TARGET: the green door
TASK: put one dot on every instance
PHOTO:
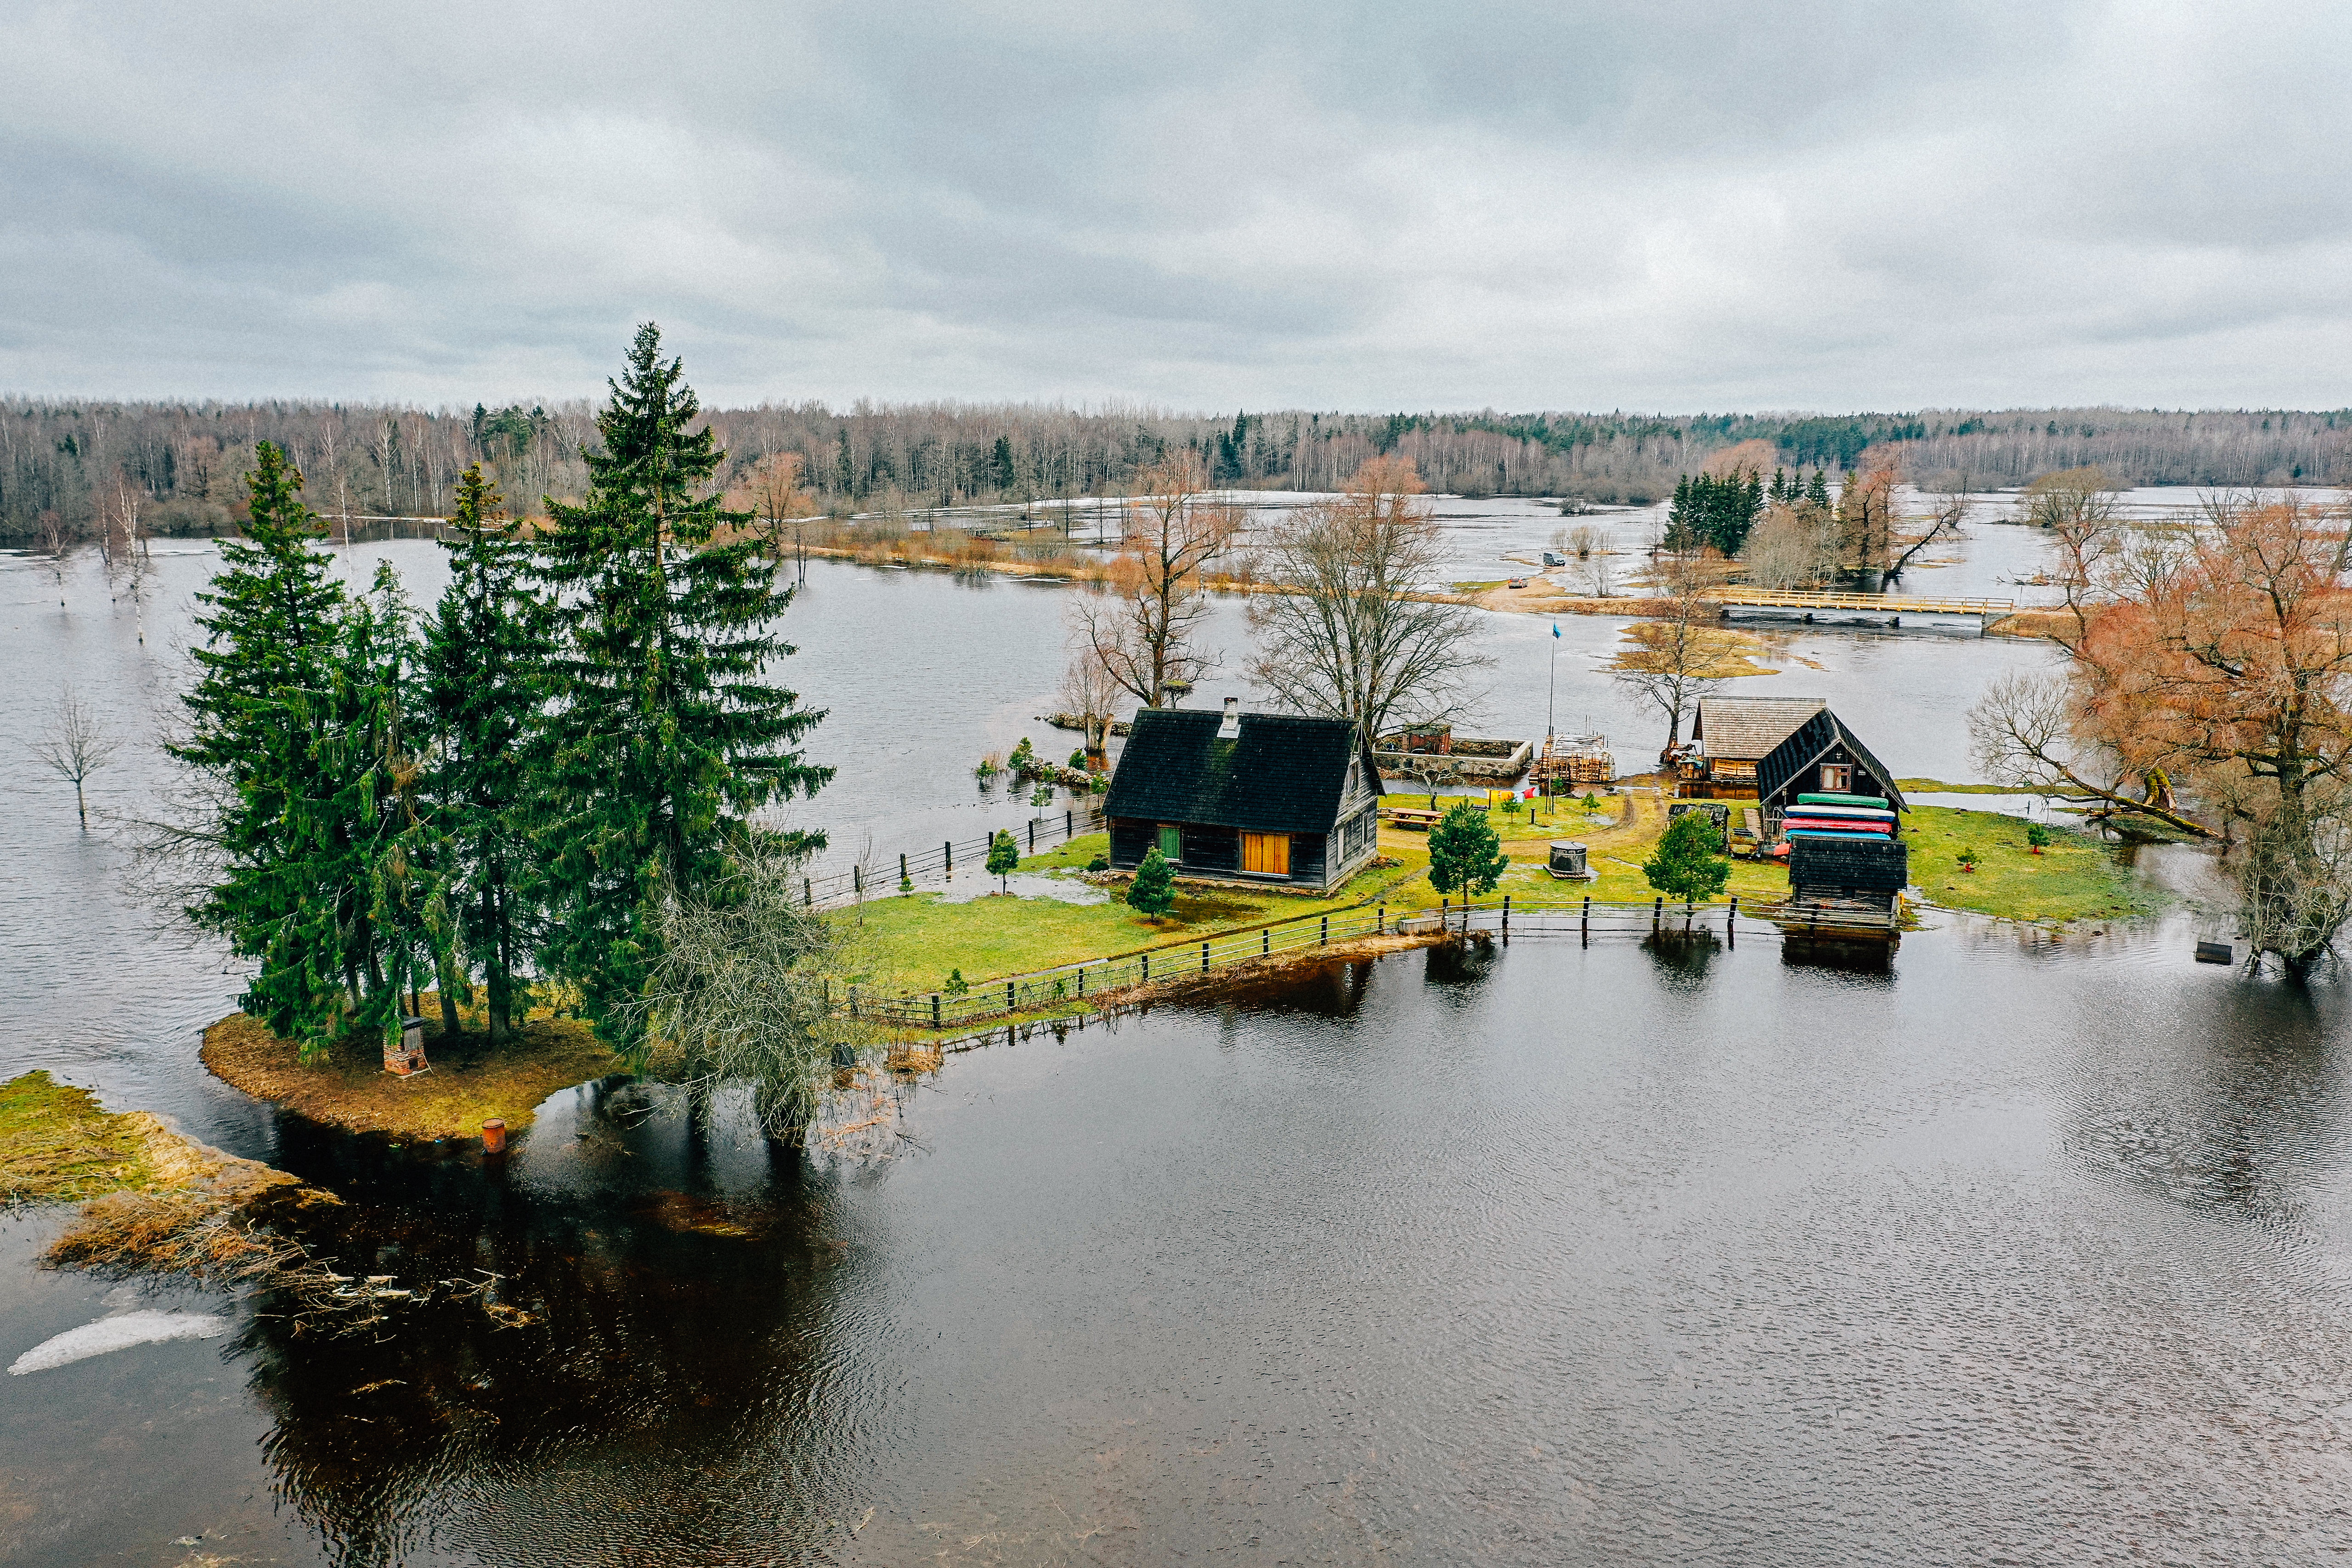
(1171, 844)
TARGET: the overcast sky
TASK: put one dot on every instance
(1551, 205)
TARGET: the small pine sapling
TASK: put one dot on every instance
(2036, 836)
(1004, 855)
(1042, 795)
(1967, 857)
(1153, 891)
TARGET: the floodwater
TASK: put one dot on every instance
(2019, 1250)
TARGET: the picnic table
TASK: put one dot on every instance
(1412, 817)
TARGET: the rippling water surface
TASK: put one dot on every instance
(2019, 1250)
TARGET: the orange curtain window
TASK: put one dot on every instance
(1268, 853)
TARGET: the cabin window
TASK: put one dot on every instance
(1266, 853)
(1172, 842)
(1837, 778)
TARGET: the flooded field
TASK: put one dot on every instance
(2021, 1250)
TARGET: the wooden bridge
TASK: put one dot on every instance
(1892, 607)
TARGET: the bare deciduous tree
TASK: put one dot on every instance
(53, 545)
(75, 746)
(1089, 695)
(1353, 632)
(1140, 628)
(771, 491)
(1795, 546)
(1951, 511)
(1671, 662)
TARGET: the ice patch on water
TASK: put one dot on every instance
(1026, 885)
(117, 1335)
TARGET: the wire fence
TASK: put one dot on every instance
(1105, 982)
(886, 876)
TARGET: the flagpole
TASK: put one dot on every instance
(1551, 692)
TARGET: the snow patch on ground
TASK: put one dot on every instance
(119, 1334)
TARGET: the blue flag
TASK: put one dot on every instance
(1555, 628)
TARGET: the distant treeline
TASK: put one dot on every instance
(182, 467)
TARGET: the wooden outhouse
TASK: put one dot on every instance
(1255, 798)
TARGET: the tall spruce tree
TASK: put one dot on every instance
(271, 618)
(660, 734)
(320, 868)
(484, 655)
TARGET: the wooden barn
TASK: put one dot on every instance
(1255, 798)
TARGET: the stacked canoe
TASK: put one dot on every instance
(1847, 817)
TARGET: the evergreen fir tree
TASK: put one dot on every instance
(1465, 853)
(1817, 493)
(1003, 857)
(661, 735)
(1153, 891)
(1689, 863)
(271, 617)
(484, 658)
(1683, 528)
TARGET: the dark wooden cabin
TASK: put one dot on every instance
(1823, 756)
(1255, 798)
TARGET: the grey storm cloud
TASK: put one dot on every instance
(1656, 205)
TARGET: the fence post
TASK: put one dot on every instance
(1082, 979)
(1383, 927)
(1507, 917)
(935, 1009)
(948, 850)
(808, 892)
(1204, 958)
(1265, 941)
(902, 868)
(1146, 968)
(1032, 835)
(857, 880)
(1069, 826)
(1326, 930)
(1657, 914)
(1585, 931)
(1010, 1004)
(1731, 924)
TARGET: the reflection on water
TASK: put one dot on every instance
(2001, 1244)
(1667, 1251)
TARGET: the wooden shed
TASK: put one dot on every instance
(1258, 797)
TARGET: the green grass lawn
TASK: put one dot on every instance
(2077, 877)
(914, 942)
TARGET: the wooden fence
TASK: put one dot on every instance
(1078, 987)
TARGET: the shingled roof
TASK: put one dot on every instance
(1808, 744)
(1746, 728)
(1284, 774)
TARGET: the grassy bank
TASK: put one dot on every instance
(59, 1144)
(2076, 877)
(917, 943)
(469, 1083)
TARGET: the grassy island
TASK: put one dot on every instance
(469, 1084)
